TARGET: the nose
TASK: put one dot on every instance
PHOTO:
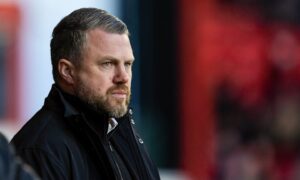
(122, 75)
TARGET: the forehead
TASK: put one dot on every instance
(101, 43)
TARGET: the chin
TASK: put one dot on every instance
(118, 108)
(117, 113)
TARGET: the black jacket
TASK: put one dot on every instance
(67, 140)
(11, 167)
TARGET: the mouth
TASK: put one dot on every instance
(120, 94)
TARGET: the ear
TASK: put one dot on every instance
(66, 70)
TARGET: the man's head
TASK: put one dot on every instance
(92, 59)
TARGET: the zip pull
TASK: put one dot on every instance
(113, 157)
(110, 147)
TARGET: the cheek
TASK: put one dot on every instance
(99, 81)
(101, 84)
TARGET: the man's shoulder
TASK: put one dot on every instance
(44, 128)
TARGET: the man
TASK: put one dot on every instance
(11, 167)
(85, 129)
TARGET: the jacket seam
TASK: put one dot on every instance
(44, 152)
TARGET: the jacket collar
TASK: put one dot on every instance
(72, 107)
(56, 100)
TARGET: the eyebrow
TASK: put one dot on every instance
(113, 58)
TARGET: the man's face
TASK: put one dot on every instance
(103, 79)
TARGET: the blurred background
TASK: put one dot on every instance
(216, 86)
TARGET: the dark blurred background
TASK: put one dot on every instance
(153, 34)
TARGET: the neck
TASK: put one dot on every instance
(67, 88)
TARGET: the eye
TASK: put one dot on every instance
(128, 64)
(107, 64)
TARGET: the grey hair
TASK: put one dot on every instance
(69, 35)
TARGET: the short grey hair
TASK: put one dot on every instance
(69, 35)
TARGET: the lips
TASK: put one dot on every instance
(119, 93)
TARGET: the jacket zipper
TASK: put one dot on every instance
(136, 144)
(113, 157)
